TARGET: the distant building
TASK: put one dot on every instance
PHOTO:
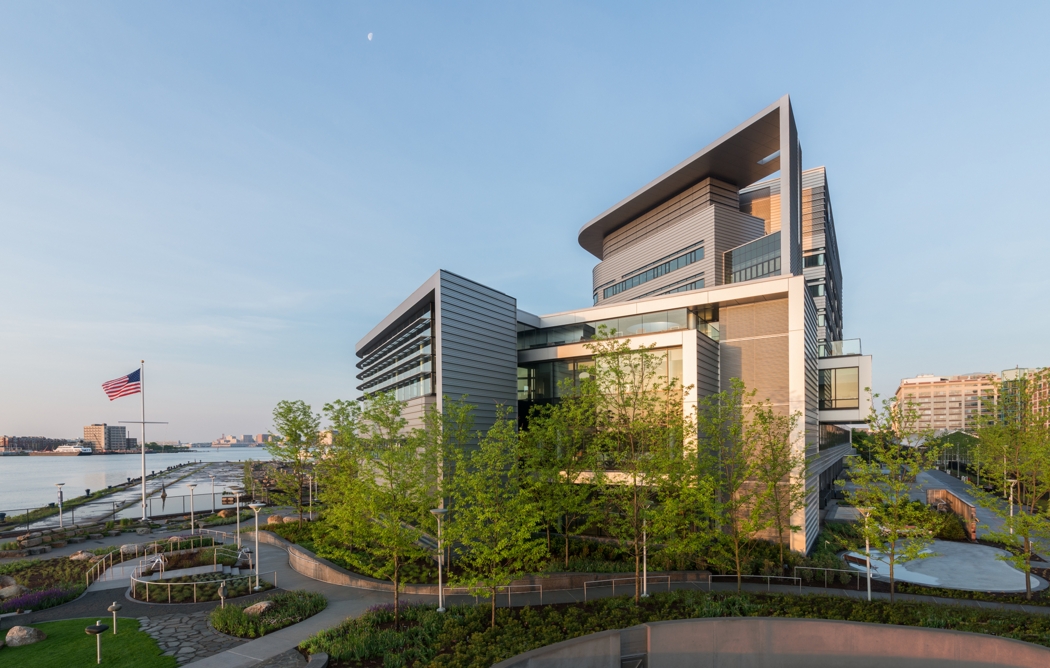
(263, 438)
(29, 443)
(949, 403)
(130, 443)
(106, 437)
(232, 441)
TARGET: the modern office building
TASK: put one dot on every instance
(956, 403)
(105, 437)
(728, 264)
(948, 403)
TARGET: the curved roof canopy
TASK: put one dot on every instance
(746, 154)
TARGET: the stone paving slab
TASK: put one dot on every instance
(187, 637)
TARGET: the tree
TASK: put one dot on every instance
(779, 467)
(561, 456)
(340, 472)
(726, 440)
(1014, 455)
(899, 449)
(296, 440)
(639, 432)
(493, 515)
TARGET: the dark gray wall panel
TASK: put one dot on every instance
(707, 366)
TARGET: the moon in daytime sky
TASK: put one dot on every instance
(369, 37)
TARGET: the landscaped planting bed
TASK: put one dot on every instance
(51, 582)
(462, 637)
(206, 585)
(289, 608)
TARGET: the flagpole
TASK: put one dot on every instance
(142, 394)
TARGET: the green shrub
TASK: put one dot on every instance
(462, 637)
(13, 545)
(289, 608)
(951, 527)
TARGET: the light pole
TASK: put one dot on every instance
(439, 513)
(191, 486)
(310, 487)
(238, 511)
(1012, 483)
(59, 486)
(212, 494)
(256, 506)
(97, 630)
(114, 608)
(867, 551)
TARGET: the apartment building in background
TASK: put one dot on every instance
(949, 403)
(103, 437)
(727, 264)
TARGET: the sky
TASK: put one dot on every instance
(237, 192)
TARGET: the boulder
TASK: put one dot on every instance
(94, 536)
(18, 636)
(30, 542)
(129, 548)
(259, 608)
(76, 539)
(227, 513)
(142, 531)
(46, 539)
(58, 543)
(12, 591)
(291, 519)
(113, 532)
(6, 581)
(46, 532)
(274, 519)
(82, 555)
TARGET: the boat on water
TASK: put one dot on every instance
(64, 451)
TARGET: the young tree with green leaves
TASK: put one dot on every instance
(339, 471)
(493, 515)
(640, 432)
(560, 454)
(779, 467)
(726, 439)
(899, 449)
(296, 439)
(1014, 458)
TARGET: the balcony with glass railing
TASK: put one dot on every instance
(839, 348)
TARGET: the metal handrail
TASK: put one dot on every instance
(831, 570)
(148, 583)
(146, 551)
(630, 579)
(769, 579)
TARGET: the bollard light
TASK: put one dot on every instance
(97, 630)
(222, 593)
(114, 609)
(59, 486)
(256, 506)
(191, 486)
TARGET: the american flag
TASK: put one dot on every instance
(123, 386)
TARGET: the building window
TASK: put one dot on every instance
(813, 260)
(840, 388)
(755, 259)
(816, 290)
(659, 270)
(647, 323)
(820, 320)
(549, 381)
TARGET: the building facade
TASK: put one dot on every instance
(958, 403)
(728, 264)
(104, 437)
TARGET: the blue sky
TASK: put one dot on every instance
(236, 191)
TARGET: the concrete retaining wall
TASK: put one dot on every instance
(786, 643)
(312, 566)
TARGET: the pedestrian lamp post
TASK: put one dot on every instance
(256, 506)
(212, 494)
(1012, 483)
(310, 488)
(191, 486)
(97, 630)
(59, 486)
(238, 511)
(867, 548)
(645, 551)
(114, 609)
(440, 513)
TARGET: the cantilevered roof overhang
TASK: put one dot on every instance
(746, 154)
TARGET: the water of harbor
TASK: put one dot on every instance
(29, 482)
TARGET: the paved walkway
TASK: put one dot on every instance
(187, 636)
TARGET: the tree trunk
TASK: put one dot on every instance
(566, 547)
(397, 600)
(892, 582)
(1028, 570)
(736, 559)
(493, 607)
(548, 537)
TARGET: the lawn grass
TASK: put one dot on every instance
(68, 646)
